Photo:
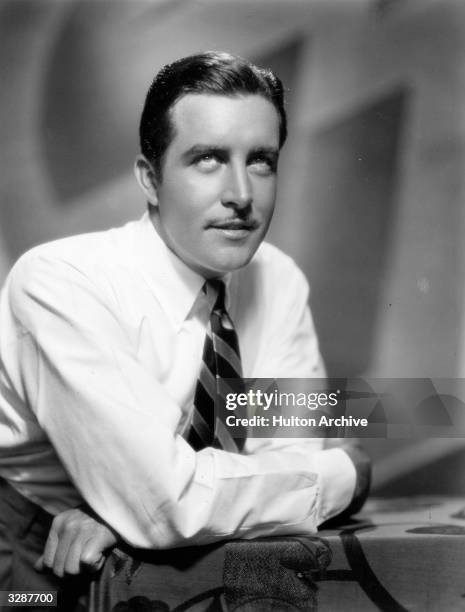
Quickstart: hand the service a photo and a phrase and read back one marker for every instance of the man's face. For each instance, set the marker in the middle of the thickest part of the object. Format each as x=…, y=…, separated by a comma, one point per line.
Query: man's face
x=216, y=195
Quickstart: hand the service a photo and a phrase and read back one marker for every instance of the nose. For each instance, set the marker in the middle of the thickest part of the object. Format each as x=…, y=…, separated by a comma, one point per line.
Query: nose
x=237, y=191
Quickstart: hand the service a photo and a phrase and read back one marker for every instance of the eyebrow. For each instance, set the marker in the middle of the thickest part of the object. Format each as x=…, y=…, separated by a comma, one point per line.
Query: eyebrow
x=199, y=149
x=266, y=150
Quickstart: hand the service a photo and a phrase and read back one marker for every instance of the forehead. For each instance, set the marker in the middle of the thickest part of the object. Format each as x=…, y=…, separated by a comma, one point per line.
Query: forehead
x=241, y=120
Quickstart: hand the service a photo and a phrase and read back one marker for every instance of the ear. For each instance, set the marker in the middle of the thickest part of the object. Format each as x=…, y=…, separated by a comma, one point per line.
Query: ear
x=146, y=178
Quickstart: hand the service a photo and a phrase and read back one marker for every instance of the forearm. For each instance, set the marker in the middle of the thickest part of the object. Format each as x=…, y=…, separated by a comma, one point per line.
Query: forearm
x=272, y=493
x=78, y=539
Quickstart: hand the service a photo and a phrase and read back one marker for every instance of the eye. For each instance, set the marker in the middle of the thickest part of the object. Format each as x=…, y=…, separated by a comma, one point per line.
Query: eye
x=207, y=162
x=263, y=164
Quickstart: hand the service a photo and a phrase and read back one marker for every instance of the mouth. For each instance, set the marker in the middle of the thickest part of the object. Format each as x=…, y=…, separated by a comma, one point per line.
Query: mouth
x=235, y=229
x=235, y=224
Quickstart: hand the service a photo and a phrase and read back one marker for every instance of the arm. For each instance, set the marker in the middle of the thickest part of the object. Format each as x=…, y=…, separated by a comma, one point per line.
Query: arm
x=290, y=350
x=113, y=427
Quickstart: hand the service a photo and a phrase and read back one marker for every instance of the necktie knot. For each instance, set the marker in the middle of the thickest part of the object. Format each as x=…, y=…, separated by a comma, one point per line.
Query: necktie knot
x=215, y=291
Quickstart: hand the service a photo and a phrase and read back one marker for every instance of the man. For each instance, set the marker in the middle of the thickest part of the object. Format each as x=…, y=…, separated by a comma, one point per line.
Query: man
x=104, y=336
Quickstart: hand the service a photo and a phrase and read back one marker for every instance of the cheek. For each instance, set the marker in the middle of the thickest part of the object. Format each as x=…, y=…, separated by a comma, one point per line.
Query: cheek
x=184, y=225
x=199, y=184
x=193, y=196
x=184, y=221
x=176, y=205
x=265, y=196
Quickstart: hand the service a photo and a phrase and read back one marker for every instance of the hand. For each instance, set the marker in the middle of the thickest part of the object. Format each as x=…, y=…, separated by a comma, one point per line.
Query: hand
x=77, y=541
x=362, y=464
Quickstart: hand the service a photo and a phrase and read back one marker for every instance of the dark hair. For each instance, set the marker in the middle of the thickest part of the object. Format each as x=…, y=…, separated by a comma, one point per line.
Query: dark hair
x=203, y=73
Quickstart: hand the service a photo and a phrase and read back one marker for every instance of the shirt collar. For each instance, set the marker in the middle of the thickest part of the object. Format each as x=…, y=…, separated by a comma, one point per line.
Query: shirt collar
x=175, y=285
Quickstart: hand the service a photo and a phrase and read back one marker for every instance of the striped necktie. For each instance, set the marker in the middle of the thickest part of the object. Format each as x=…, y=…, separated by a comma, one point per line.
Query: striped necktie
x=221, y=359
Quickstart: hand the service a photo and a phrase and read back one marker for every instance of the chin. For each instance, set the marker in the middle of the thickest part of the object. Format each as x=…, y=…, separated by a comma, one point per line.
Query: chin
x=219, y=260
x=235, y=263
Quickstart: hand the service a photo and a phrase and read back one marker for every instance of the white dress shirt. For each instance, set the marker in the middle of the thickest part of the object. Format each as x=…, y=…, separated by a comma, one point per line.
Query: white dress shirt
x=100, y=348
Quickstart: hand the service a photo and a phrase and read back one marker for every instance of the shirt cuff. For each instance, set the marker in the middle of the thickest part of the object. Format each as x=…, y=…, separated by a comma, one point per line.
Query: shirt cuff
x=337, y=482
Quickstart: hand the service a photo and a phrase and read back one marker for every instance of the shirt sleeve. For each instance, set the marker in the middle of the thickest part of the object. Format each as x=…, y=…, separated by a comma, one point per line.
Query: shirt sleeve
x=291, y=350
x=113, y=427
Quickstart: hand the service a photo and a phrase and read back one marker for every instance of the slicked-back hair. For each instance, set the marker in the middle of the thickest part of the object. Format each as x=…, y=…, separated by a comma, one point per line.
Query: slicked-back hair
x=204, y=73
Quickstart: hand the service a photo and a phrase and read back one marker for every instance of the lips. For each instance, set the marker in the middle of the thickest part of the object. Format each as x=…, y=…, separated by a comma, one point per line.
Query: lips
x=235, y=224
